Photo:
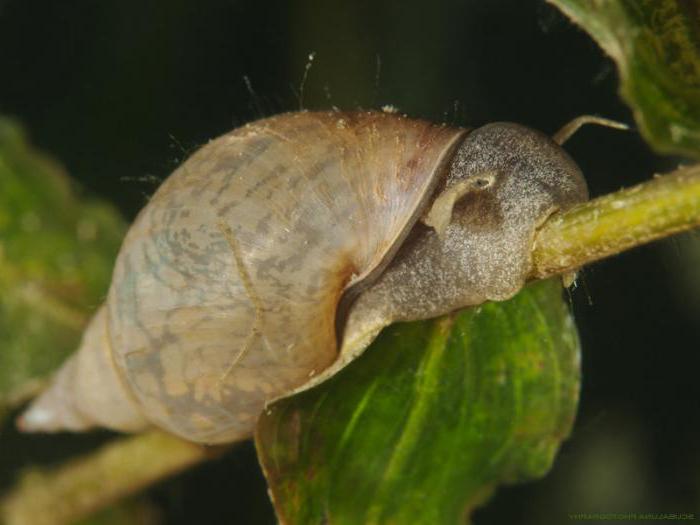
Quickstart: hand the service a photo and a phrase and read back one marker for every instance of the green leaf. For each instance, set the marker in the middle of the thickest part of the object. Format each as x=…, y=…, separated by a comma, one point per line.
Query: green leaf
x=656, y=46
x=56, y=257
x=423, y=426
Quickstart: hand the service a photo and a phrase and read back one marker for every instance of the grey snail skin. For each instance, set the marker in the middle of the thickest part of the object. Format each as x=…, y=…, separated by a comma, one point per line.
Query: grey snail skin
x=274, y=255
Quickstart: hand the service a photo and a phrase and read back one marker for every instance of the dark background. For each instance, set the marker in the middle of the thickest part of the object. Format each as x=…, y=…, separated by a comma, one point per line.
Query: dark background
x=121, y=91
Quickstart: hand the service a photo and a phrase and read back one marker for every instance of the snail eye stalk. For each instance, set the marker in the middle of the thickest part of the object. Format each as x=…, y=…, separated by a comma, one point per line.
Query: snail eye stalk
x=571, y=127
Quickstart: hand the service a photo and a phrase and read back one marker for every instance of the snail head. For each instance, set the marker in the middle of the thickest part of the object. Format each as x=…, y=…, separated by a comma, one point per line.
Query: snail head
x=503, y=182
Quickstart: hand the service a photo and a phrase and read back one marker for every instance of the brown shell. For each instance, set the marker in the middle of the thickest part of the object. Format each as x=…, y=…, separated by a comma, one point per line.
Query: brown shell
x=225, y=292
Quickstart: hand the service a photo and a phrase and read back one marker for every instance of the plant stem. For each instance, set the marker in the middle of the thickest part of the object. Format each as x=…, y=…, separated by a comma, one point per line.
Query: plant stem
x=586, y=233
x=619, y=221
x=82, y=486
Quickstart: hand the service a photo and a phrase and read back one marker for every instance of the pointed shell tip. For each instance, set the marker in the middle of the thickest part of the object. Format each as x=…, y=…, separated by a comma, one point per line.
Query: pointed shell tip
x=34, y=419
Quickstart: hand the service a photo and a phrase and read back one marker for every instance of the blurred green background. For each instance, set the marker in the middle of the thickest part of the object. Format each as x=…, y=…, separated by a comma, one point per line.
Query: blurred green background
x=121, y=92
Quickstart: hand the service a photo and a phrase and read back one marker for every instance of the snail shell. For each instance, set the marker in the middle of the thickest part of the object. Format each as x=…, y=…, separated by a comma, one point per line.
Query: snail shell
x=274, y=255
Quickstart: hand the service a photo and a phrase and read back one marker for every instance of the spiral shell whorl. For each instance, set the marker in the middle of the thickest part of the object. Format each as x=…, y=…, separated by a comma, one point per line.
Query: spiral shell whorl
x=225, y=292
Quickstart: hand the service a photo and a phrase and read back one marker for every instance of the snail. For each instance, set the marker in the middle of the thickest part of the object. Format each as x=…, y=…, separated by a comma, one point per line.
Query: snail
x=275, y=254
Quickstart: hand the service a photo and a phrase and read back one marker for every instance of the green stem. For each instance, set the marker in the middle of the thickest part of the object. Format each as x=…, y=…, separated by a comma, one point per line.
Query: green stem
x=82, y=486
x=586, y=233
x=619, y=221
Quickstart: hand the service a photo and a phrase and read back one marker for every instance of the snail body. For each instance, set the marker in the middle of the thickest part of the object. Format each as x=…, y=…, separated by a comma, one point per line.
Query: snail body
x=274, y=255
